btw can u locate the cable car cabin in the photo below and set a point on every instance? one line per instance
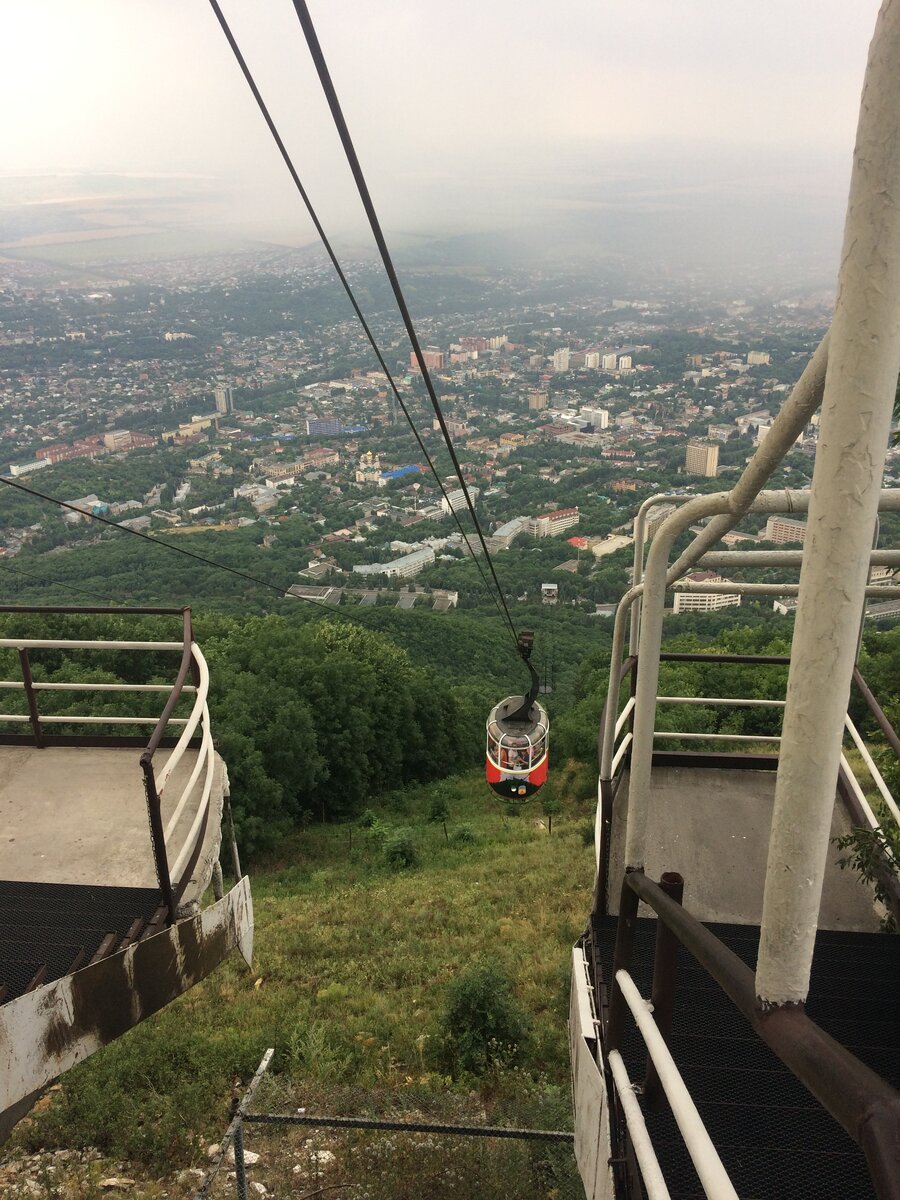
(517, 749)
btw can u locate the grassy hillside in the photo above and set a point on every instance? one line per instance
(352, 968)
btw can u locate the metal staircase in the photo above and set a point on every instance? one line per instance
(774, 1140)
(49, 930)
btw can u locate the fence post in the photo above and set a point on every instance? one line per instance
(628, 907)
(234, 1135)
(240, 1171)
(158, 839)
(662, 994)
(31, 698)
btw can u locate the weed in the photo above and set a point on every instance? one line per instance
(464, 835)
(400, 851)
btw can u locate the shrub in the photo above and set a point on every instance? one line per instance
(439, 809)
(368, 819)
(482, 1025)
(400, 851)
(464, 835)
(875, 854)
(586, 833)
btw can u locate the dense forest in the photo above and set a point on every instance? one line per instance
(319, 716)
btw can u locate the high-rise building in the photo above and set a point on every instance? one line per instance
(552, 524)
(702, 458)
(433, 359)
(561, 359)
(224, 398)
(785, 529)
(592, 360)
(457, 499)
(705, 601)
(608, 362)
(758, 358)
(598, 417)
(625, 362)
(322, 426)
(537, 400)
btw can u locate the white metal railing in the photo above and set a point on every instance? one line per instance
(860, 795)
(720, 509)
(195, 794)
(873, 770)
(648, 1163)
(31, 686)
(713, 1176)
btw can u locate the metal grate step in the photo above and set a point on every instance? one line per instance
(774, 1139)
(48, 930)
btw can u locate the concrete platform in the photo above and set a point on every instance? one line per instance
(79, 815)
(712, 826)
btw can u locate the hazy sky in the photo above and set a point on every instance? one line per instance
(452, 103)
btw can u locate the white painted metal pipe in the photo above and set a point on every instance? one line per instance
(55, 644)
(726, 701)
(188, 845)
(873, 769)
(793, 416)
(192, 722)
(640, 538)
(860, 794)
(876, 591)
(621, 752)
(624, 715)
(637, 1130)
(863, 365)
(99, 720)
(716, 737)
(713, 1176)
(781, 558)
(654, 589)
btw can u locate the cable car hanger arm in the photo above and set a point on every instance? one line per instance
(524, 646)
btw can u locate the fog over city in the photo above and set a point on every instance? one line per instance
(704, 129)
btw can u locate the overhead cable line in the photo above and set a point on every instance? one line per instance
(318, 58)
(209, 562)
(288, 162)
(69, 587)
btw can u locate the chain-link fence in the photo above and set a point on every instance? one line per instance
(275, 1147)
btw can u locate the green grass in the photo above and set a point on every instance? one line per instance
(352, 966)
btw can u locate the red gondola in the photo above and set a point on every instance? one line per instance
(518, 739)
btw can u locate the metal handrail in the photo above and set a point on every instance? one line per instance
(860, 1101)
(90, 609)
(195, 659)
(199, 823)
(186, 647)
(71, 719)
(651, 1174)
(191, 661)
(18, 685)
(712, 1174)
(877, 712)
(873, 769)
